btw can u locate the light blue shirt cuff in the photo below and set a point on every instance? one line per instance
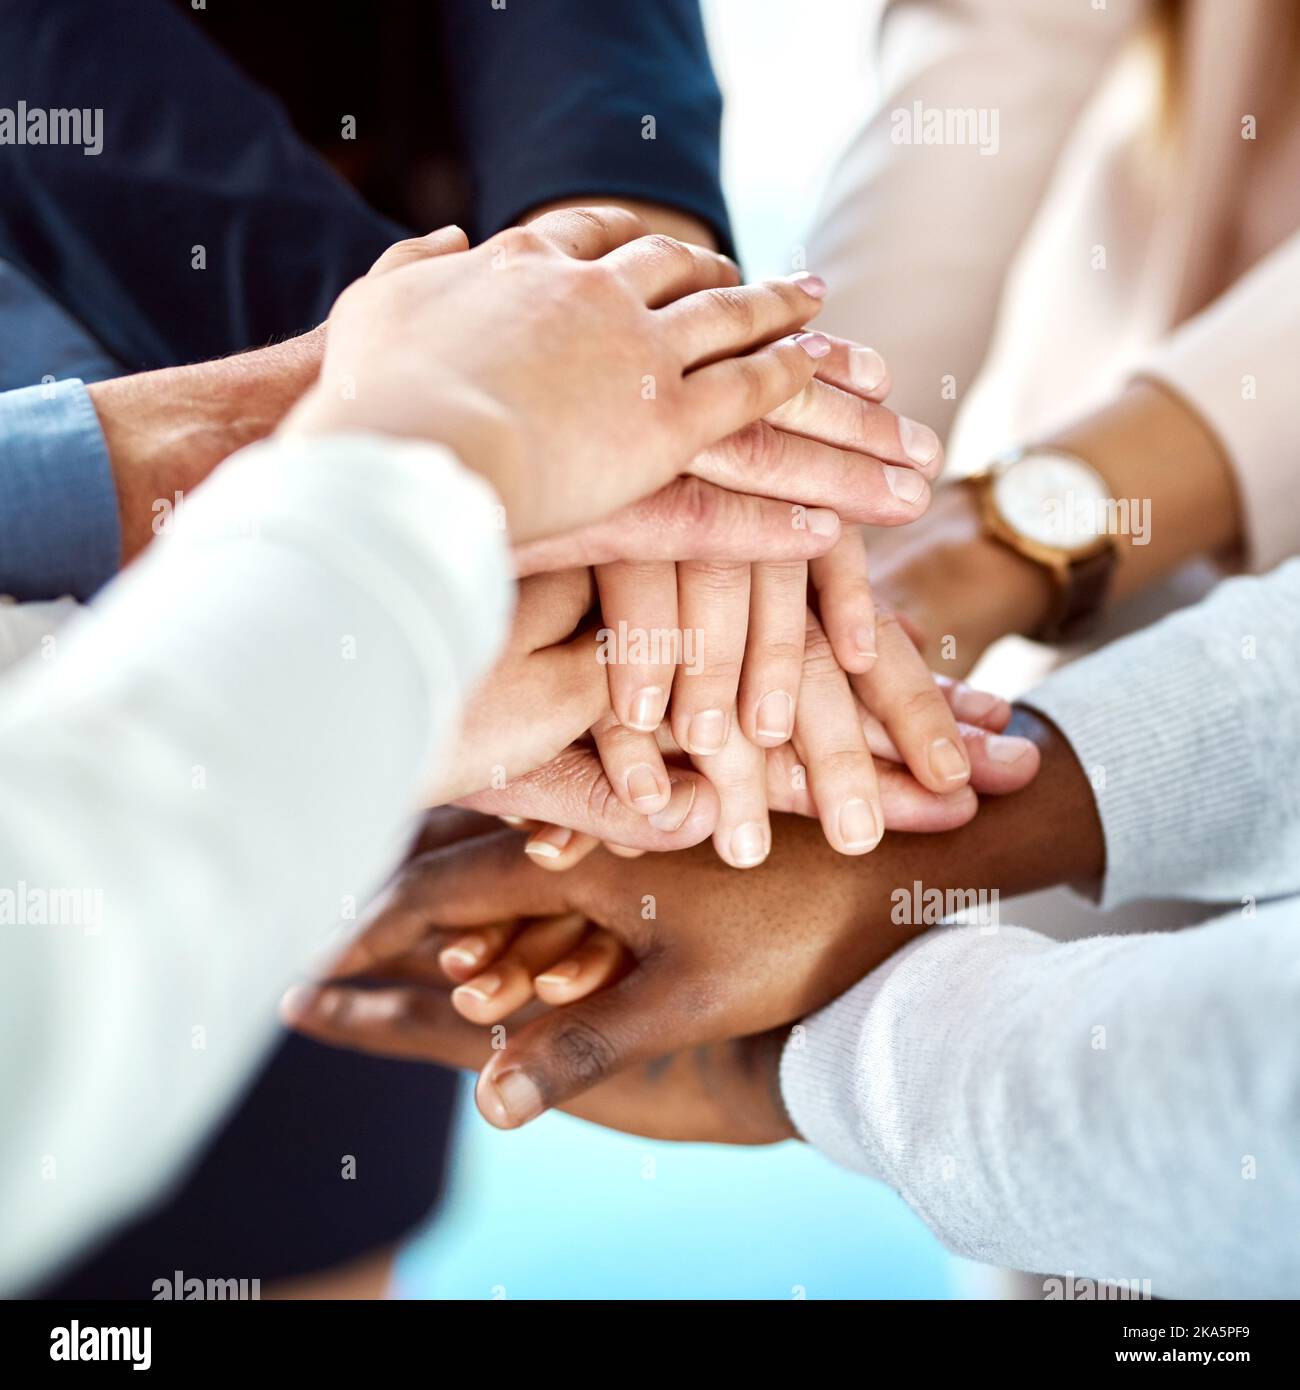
(59, 527)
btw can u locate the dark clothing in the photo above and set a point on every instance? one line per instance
(208, 225)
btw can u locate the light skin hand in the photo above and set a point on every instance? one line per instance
(654, 352)
(167, 430)
(543, 693)
(571, 807)
(722, 956)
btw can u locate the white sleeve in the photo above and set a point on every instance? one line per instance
(930, 203)
(201, 779)
(1186, 731)
(1119, 1108)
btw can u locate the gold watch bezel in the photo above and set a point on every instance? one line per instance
(1054, 558)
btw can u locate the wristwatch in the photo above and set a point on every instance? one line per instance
(1053, 509)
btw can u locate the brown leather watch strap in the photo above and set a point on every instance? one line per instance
(1079, 601)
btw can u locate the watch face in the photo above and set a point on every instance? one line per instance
(1053, 499)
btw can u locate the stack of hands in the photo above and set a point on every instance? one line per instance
(685, 476)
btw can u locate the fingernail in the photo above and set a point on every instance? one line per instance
(971, 704)
(517, 1099)
(822, 521)
(775, 717)
(643, 785)
(920, 443)
(1006, 748)
(549, 843)
(810, 284)
(749, 844)
(707, 731)
(514, 822)
(947, 761)
(864, 638)
(905, 483)
(648, 709)
(562, 974)
(482, 988)
(467, 952)
(814, 344)
(859, 828)
(300, 1000)
(679, 806)
(866, 368)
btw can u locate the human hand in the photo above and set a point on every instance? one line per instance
(571, 806)
(762, 634)
(653, 353)
(717, 956)
(704, 954)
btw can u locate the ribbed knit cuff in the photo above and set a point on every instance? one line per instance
(1156, 722)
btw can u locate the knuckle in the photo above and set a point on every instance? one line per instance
(699, 506)
(763, 450)
(409, 248)
(715, 686)
(791, 296)
(669, 248)
(584, 1054)
(614, 220)
(752, 384)
(598, 798)
(733, 303)
(925, 704)
(819, 663)
(715, 579)
(519, 241)
(779, 650)
(841, 763)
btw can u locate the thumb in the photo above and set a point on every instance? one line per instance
(571, 1049)
(573, 791)
(690, 519)
(420, 248)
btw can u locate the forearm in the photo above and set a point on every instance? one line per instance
(1154, 453)
(167, 430)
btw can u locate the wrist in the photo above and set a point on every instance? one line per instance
(167, 430)
(1046, 834)
(962, 583)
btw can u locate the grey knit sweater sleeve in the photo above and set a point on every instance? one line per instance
(1118, 1107)
(1190, 734)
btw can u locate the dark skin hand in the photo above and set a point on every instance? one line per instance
(685, 1045)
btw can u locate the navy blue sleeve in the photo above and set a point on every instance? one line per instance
(196, 222)
(566, 98)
